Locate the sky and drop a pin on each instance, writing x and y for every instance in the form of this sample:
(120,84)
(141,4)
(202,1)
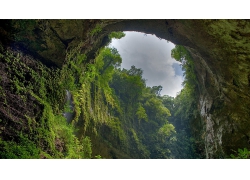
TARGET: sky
(153,56)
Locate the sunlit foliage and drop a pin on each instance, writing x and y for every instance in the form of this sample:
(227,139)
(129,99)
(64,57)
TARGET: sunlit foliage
(185,115)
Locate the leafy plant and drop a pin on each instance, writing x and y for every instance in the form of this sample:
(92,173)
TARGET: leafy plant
(141,113)
(241,154)
(116,35)
(98,157)
(166,130)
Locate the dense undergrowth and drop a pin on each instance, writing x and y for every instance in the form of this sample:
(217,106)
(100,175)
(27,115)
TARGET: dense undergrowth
(36,128)
(33,100)
(113,108)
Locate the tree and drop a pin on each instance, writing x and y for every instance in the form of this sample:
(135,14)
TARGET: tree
(179,53)
(110,59)
(133,71)
(141,113)
(156,90)
(166,130)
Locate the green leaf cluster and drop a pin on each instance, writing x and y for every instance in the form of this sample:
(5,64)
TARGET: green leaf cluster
(116,35)
(241,154)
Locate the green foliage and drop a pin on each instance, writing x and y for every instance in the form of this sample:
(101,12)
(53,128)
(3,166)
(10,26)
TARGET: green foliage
(156,90)
(79,149)
(96,30)
(111,104)
(98,157)
(95,97)
(48,135)
(139,146)
(186,117)
(241,154)
(166,130)
(141,113)
(116,35)
(179,53)
(24,149)
(139,102)
(186,100)
(128,84)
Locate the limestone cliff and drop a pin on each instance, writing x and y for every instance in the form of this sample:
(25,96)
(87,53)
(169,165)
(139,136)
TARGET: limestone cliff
(220,49)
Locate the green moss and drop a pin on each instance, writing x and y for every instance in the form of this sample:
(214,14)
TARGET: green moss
(96,30)
(24,149)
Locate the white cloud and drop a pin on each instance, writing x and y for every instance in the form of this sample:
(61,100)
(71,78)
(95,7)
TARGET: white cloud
(153,56)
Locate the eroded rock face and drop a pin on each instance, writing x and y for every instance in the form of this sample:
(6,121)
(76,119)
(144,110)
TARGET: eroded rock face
(221,53)
(49,40)
(223,73)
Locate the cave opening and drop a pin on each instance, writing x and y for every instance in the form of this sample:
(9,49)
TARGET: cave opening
(153,56)
(218,72)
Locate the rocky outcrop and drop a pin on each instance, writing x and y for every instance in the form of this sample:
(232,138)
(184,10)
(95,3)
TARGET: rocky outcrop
(220,49)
